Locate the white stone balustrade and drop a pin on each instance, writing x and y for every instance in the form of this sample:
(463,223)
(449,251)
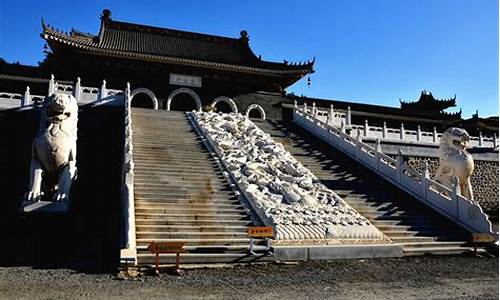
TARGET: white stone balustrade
(447,202)
(83,94)
(128,252)
(392,134)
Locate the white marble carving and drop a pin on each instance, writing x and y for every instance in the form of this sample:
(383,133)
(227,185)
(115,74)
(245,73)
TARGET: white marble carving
(53,154)
(455,162)
(283,190)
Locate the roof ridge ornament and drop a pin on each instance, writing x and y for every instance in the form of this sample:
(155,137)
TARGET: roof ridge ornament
(244,36)
(106,15)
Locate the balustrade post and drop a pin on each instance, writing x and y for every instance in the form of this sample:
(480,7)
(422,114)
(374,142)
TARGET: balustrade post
(342,126)
(127,96)
(295,103)
(424,180)
(495,142)
(378,147)
(26,98)
(434,135)
(76,92)
(103,93)
(399,165)
(314,110)
(332,112)
(384,131)
(348,116)
(480,138)
(305,108)
(366,129)
(419,133)
(456,193)
(359,137)
(402,133)
(51,85)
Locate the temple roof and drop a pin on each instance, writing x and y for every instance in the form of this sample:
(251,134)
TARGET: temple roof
(428,103)
(128,40)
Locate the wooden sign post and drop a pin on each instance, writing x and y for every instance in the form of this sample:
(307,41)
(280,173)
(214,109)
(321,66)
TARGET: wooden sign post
(166,247)
(260,232)
(481,238)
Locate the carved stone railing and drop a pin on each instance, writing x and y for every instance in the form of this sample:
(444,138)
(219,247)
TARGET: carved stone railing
(83,95)
(340,118)
(447,202)
(128,251)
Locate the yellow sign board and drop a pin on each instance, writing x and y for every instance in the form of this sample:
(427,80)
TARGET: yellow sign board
(482,238)
(166,247)
(262,232)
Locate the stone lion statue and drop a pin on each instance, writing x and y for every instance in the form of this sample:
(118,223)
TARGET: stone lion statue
(455,162)
(53,152)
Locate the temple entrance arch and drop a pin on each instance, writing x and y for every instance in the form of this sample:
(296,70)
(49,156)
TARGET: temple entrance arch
(143,97)
(226,100)
(182,100)
(255,111)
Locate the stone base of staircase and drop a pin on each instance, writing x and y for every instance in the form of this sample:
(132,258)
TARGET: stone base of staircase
(293,253)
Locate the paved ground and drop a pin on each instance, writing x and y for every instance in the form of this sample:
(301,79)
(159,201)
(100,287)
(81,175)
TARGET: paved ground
(405,278)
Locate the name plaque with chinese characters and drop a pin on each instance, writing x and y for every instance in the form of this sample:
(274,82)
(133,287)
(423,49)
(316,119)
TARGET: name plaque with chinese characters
(185,80)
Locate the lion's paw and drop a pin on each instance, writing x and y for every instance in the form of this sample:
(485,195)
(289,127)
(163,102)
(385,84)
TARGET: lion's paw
(33,196)
(60,197)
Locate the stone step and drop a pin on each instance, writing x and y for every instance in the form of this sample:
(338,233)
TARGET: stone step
(196,241)
(160,161)
(438,250)
(212,216)
(179,176)
(192,222)
(190,235)
(177,193)
(191,201)
(142,171)
(192,228)
(430,244)
(182,204)
(180,180)
(168,260)
(188,210)
(201,199)
(435,233)
(408,227)
(190,186)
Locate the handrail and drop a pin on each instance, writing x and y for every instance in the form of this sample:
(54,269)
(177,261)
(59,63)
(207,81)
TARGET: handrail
(395,134)
(447,202)
(128,251)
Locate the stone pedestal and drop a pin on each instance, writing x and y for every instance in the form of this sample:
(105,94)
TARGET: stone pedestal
(45,206)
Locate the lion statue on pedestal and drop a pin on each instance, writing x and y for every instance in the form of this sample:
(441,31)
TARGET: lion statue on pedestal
(53,152)
(455,162)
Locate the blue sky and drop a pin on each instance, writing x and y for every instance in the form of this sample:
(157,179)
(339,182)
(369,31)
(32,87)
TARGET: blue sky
(370,51)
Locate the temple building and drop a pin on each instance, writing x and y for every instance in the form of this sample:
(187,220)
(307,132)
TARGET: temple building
(179,70)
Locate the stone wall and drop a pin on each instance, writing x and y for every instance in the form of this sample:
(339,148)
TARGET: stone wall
(484,179)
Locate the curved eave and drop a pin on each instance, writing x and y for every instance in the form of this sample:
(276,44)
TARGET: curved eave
(93,49)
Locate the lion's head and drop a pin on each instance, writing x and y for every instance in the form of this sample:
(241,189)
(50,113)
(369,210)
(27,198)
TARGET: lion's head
(455,138)
(59,107)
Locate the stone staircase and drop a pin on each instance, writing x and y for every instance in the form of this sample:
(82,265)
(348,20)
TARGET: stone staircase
(402,218)
(180,194)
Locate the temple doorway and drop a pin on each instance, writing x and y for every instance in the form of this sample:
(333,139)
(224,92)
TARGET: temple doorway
(142,100)
(183,102)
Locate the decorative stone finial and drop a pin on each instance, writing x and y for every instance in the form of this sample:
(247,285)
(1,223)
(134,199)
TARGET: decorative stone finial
(244,35)
(106,15)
